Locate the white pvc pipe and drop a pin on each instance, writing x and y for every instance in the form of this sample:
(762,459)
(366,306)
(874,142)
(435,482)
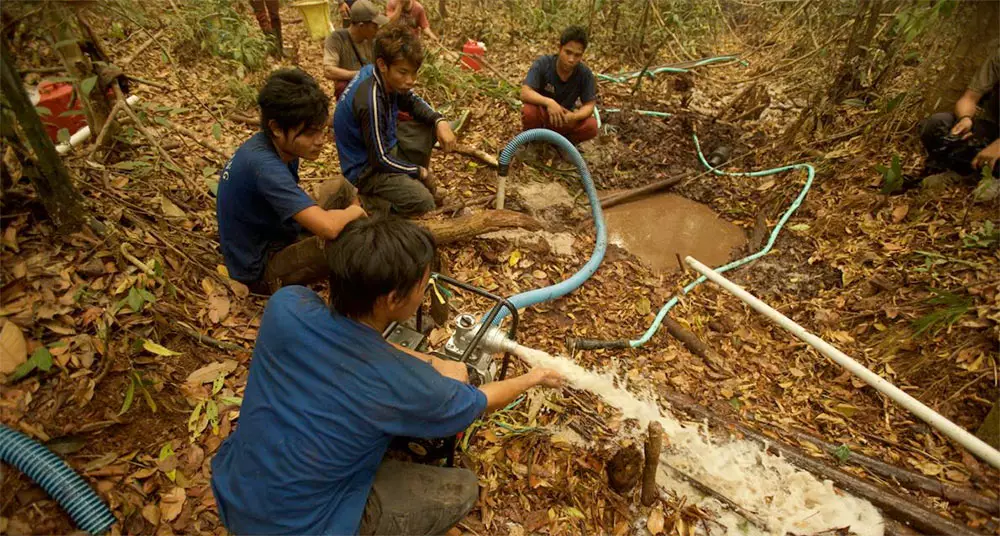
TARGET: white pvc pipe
(79,136)
(933,418)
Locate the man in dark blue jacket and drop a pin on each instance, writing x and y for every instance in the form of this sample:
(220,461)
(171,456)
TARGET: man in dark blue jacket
(387,159)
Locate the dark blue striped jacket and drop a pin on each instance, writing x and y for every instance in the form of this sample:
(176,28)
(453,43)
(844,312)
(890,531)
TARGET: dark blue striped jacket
(364,125)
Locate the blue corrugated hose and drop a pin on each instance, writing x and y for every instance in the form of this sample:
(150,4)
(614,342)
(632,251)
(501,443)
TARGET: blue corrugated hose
(562,288)
(57,478)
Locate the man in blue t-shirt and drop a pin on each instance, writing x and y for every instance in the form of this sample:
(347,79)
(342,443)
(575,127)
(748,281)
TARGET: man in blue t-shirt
(326,394)
(559,92)
(261,209)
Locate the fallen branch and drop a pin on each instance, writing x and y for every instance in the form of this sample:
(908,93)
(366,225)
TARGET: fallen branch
(479,154)
(252,121)
(951,492)
(695,345)
(654,444)
(142,127)
(891,503)
(466,227)
(630,195)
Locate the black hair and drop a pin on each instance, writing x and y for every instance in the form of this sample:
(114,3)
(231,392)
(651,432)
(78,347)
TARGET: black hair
(374,256)
(293,99)
(396,42)
(574,33)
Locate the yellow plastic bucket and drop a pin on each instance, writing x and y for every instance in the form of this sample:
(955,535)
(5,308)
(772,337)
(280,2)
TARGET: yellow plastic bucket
(316,14)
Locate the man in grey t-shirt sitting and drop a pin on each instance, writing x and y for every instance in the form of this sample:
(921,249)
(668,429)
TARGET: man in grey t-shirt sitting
(349,49)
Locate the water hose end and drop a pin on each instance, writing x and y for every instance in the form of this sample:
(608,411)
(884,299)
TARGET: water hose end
(503,168)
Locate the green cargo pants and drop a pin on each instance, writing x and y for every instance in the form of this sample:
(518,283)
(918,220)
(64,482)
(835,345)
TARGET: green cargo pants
(398,193)
(417,500)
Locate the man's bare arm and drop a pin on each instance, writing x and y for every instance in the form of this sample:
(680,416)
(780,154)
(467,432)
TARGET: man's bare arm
(451,369)
(327,224)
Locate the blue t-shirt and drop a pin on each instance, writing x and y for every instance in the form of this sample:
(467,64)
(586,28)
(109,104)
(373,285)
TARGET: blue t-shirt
(324,398)
(258,195)
(579,89)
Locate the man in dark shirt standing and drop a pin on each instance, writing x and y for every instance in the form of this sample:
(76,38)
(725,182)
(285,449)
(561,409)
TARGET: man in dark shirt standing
(261,209)
(385,158)
(326,395)
(347,50)
(560,92)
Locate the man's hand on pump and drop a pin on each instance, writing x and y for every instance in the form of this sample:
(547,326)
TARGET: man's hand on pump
(962,128)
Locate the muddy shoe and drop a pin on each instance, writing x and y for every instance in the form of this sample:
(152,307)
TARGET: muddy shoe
(987,191)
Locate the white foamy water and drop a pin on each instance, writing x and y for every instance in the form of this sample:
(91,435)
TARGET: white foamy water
(781,497)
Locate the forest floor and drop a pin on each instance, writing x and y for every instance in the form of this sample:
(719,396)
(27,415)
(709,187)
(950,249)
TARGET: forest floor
(907,285)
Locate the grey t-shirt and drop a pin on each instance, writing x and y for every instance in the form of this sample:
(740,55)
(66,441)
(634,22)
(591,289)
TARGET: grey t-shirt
(338,52)
(987,83)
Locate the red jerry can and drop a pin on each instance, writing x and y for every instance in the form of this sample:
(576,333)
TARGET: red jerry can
(57,98)
(470,51)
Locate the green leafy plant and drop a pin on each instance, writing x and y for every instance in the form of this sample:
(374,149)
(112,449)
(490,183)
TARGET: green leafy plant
(140,384)
(952,308)
(892,176)
(41,359)
(216,27)
(136,299)
(842,453)
(986,236)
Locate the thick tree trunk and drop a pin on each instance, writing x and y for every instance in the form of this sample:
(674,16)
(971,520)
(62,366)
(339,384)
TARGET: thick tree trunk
(466,227)
(51,179)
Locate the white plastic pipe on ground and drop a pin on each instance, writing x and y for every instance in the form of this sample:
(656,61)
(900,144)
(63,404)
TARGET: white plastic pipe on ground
(933,418)
(79,136)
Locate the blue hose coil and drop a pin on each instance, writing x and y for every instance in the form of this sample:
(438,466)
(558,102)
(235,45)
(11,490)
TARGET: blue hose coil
(562,288)
(57,478)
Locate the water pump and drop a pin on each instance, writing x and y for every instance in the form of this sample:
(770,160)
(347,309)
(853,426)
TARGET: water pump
(473,342)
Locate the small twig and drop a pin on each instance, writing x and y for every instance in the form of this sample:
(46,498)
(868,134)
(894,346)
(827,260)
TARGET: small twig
(252,121)
(150,83)
(142,127)
(107,128)
(186,132)
(705,488)
(43,70)
(134,260)
(205,339)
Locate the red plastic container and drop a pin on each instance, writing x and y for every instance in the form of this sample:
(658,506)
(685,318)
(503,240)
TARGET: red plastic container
(57,97)
(472,50)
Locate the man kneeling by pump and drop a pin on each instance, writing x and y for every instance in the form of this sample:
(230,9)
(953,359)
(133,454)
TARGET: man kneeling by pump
(326,395)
